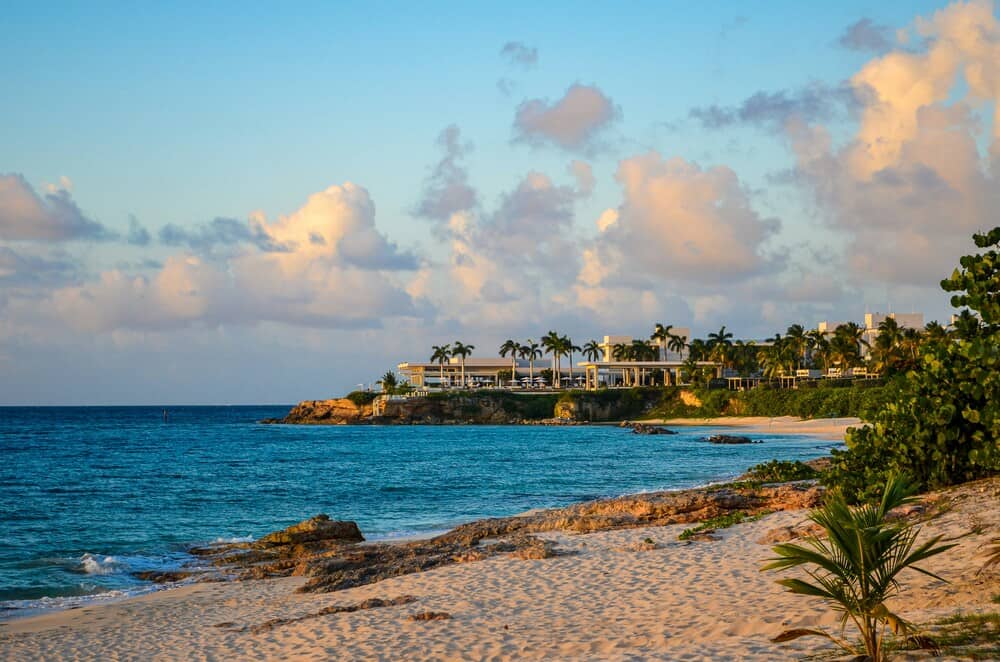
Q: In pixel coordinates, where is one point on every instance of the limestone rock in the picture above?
(339, 411)
(314, 529)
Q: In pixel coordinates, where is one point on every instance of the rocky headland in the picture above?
(482, 408)
(334, 555)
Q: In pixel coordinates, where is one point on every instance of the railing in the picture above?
(378, 404)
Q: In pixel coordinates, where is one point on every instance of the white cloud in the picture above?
(678, 222)
(26, 216)
(337, 271)
(914, 183)
(574, 122)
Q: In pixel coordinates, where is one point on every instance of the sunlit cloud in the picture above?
(575, 121)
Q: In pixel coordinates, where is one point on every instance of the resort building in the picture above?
(495, 372)
(486, 372)
(871, 324)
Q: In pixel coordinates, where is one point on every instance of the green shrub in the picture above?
(940, 424)
(781, 471)
(361, 398)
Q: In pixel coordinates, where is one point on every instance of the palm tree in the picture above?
(719, 345)
(744, 356)
(887, 348)
(641, 350)
(722, 337)
(660, 335)
(513, 348)
(388, 382)
(553, 344)
(462, 352)
(440, 355)
(676, 344)
(796, 335)
(854, 567)
(814, 338)
(531, 351)
(934, 331)
(770, 361)
(592, 350)
(621, 352)
(822, 353)
(698, 349)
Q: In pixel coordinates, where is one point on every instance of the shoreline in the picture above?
(615, 594)
(822, 429)
(209, 606)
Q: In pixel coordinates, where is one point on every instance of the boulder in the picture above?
(643, 428)
(729, 439)
(314, 529)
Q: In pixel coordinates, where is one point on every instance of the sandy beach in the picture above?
(824, 428)
(607, 595)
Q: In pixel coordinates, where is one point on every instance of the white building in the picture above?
(684, 333)
(872, 321)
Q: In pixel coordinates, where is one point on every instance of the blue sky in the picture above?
(175, 116)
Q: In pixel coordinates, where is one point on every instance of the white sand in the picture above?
(682, 601)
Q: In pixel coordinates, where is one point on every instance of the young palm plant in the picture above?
(855, 568)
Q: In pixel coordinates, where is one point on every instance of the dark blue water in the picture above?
(90, 494)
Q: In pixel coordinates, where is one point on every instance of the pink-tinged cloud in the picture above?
(914, 183)
(574, 122)
(680, 223)
(337, 271)
(54, 216)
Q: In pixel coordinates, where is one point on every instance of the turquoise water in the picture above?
(89, 495)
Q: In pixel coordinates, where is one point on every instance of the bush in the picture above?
(940, 424)
(361, 398)
(781, 471)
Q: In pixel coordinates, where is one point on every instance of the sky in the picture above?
(215, 203)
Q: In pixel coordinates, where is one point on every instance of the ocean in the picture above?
(89, 495)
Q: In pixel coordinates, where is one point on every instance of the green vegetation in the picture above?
(533, 406)
(721, 522)
(941, 424)
(781, 471)
(855, 568)
(361, 398)
(823, 401)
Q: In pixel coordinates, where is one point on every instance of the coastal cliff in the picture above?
(495, 408)
(575, 406)
(340, 411)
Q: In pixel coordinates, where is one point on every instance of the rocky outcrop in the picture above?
(645, 428)
(491, 409)
(487, 408)
(314, 529)
(329, 553)
(612, 405)
(690, 398)
(730, 439)
(340, 411)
